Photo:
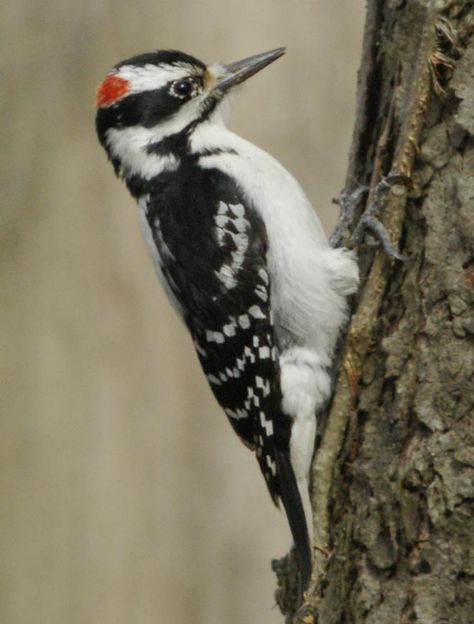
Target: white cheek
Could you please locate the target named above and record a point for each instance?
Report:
(129, 145)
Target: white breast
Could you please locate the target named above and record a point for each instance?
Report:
(310, 280)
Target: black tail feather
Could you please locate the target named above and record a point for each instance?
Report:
(296, 518)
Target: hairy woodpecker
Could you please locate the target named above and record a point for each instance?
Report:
(240, 253)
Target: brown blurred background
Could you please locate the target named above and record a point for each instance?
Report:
(125, 496)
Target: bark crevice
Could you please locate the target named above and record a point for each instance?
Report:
(393, 477)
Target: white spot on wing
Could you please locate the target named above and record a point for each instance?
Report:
(271, 464)
(266, 424)
(213, 380)
(262, 273)
(256, 312)
(226, 276)
(241, 224)
(227, 273)
(237, 414)
(263, 385)
(261, 292)
(249, 355)
(244, 321)
(229, 330)
(237, 209)
(221, 220)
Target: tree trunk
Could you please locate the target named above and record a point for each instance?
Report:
(393, 477)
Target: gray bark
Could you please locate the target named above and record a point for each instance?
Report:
(394, 473)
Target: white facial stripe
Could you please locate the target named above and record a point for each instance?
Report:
(150, 77)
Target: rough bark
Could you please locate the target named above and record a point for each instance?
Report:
(393, 477)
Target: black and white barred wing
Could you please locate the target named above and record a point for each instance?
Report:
(222, 283)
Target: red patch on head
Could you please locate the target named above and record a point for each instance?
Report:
(111, 90)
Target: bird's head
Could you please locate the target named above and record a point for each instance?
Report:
(150, 98)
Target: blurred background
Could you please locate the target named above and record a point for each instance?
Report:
(125, 496)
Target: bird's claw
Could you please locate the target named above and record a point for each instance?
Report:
(369, 219)
(347, 201)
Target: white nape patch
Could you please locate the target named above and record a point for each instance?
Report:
(130, 145)
(223, 208)
(156, 253)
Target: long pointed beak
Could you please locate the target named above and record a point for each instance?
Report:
(237, 72)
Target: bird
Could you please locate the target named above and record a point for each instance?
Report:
(241, 254)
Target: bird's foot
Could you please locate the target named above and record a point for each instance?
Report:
(369, 219)
(347, 201)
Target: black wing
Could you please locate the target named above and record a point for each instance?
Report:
(213, 250)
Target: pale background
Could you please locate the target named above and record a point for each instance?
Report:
(125, 496)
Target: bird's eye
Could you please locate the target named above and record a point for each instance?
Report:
(183, 89)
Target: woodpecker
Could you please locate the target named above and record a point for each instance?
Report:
(241, 254)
